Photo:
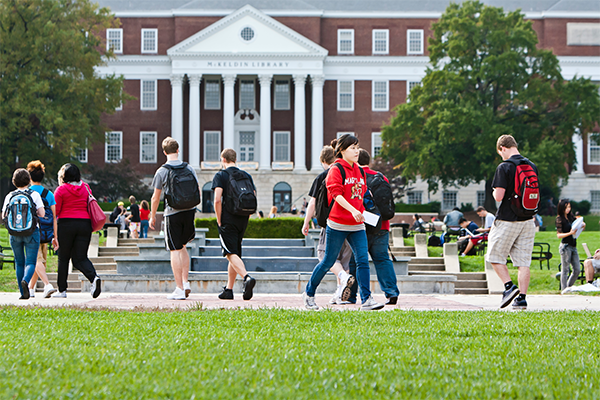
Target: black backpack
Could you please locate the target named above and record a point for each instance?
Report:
(182, 187)
(371, 206)
(241, 199)
(382, 194)
(47, 222)
(322, 204)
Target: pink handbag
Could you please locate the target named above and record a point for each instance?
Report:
(96, 214)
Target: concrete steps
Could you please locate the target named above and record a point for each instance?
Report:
(118, 251)
(255, 251)
(73, 282)
(403, 251)
(466, 282)
(426, 264)
(263, 242)
(134, 242)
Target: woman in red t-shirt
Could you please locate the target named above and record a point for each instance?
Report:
(144, 212)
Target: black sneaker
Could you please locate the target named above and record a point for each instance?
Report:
(96, 287)
(25, 289)
(509, 295)
(391, 301)
(519, 304)
(226, 294)
(249, 283)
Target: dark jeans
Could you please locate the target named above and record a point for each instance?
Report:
(74, 237)
(25, 249)
(144, 228)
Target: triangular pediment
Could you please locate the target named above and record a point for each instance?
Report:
(247, 31)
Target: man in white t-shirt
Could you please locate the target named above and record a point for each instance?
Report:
(25, 248)
(489, 219)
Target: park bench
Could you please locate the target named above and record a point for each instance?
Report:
(5, 257)
(541, 252)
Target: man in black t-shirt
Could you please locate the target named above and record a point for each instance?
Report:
(134, 218)
(510, 234)
(231, 228)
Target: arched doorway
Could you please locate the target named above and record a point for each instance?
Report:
(282, 197)
(208, 198)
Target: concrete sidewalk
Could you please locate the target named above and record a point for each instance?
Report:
(154, 301)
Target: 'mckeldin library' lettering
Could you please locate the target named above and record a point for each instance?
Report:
(248, 64)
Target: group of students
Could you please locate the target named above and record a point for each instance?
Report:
(29, 208)
(137, 221)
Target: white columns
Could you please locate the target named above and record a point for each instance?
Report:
(299, 124)
(228, 111)
(177, 111)
(265, 121)
(194, 131)
(317, 121)
(578, 147)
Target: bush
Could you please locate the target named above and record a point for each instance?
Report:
(466, 207)
(105, 206)
(434, 207)
(258, 228)
(583, 207)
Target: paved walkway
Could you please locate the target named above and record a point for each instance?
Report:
(150, 301)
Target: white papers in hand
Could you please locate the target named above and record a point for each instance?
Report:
(370, 218)
(578, 226)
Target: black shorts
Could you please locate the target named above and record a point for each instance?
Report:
(179, 229)
(231, 236)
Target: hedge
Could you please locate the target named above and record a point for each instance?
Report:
(258, 228)
(111, 206)
(434, 206)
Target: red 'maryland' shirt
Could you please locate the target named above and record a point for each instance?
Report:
(353, 189)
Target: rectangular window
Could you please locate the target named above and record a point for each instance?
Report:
(376, 144)
(595, 200)
(414, 197)
(340, 134)
(414, 38)
(212, 146)
(149, 40)
(409, 86)
(380, 96)
(113, 148)
(345, 95)
(380, 41)
(345, 41)
(82, 155)
(247, 94)
(282, 146)
(282, 94)
(593, 150)
(247, 145)
(449, 199)
(114, 40)
(148, 95)
(212, 94)
(147, 147)
(480, 198)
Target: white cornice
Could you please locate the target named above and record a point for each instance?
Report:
(139, 60)
(568, 60)
(377, 60)
(244, 56)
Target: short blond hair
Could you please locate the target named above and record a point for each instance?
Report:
(506, 141)
(327, 155)
(131, 199)
(229, 155)
(170, 145)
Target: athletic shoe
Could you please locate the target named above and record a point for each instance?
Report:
(60, 295)
(25, 290)
(31, 292)
(392, 300)
(509, 295)
(596, 283)
(187, 288)
(371, 304)
(519, 304)
(178, 294)
(249, 283)
(96, 287)
(49, 290)
(226, 294)
(309, 302)
(347, 282)
(334, 298)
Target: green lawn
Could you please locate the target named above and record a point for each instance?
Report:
(284, 354)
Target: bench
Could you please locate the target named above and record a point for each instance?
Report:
(541, 252)
(580, 278)
(5, 257)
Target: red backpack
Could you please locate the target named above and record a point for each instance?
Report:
(526, 197)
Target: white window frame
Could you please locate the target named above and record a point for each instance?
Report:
(289, 145)
(206, 107)
(289, 94)
(106, 144)
(142, 95)
(408, 32)
(339, 96)
(155, 41)
(414, 192)
(108, 32)
(480, 193)
(387, 41)
(340, 134)
(218, 133)
(240, 92)
(589, 149)
(339, 33)
(408, 88)
(444, 208)
(374, 137)
(155, 134)
(85, 151)
(592, 193)
(387, 96)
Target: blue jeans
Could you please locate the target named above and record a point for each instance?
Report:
(335, 239)
(378, 249)
(144, 228)
(25, 249)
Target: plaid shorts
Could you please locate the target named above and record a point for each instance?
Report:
(511, 238)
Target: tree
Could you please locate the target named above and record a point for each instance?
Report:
(488, 78)
(115, 181)
(51, 99)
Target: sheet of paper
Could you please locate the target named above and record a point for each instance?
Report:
(578, 226)
(370, 218)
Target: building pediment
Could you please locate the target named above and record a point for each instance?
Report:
(247, 32)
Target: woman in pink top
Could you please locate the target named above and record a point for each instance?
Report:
(74, 228)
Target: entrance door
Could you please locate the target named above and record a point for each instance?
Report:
(247, 141)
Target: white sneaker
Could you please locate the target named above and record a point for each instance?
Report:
(60, 295)
(31, 293)
(596, 283)
(309, 302)
(178, 294)
(371, 304)
(49, 290)
(336, 295)
(96, 287)
(187, 288)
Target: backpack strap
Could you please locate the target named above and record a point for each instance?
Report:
(44, 193)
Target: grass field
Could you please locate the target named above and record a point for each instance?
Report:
(283, 354)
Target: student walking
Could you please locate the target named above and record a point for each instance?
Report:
(134, 218)
(569, 257)
(74, 229)
(511, 233)
(48, 228)
(235, 201)
(182, 194)
(345, 222)
(144, 213)
(20, 212)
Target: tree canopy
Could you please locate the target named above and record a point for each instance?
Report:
(51, 99)
(488, 78)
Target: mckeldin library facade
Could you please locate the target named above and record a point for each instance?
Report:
(277, 80)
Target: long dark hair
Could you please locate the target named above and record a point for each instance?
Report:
(72, 173)
(343, 143)
(562, 207)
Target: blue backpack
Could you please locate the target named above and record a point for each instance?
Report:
(47, 221)
(20, 216)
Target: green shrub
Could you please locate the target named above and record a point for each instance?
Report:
(281, 227)
(111, 206)
(434, 207)
(583, 207)
(466, 207)
(591, 222)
